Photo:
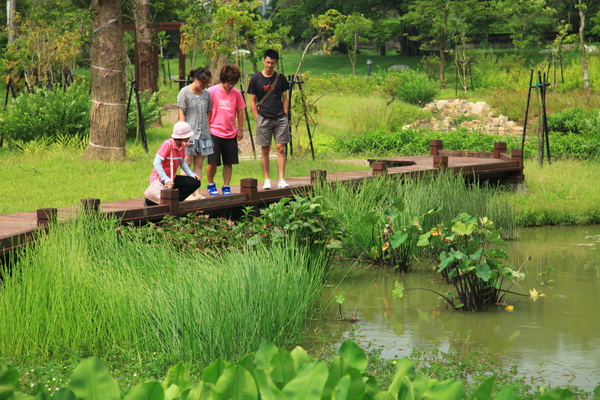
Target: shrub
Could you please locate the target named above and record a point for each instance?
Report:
(574, 120)
(416, 87)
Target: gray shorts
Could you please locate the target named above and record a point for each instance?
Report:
(269, 128)
(199, 147)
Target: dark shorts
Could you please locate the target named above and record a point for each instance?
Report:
(225, 150)
(268, 128)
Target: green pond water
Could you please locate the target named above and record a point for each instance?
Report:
(556, 337)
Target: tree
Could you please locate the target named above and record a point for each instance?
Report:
(108, 120)
(582, 8)
(350, 31)
(148, 76)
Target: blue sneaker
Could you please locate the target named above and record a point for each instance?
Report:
(226, 190)
(212, 189)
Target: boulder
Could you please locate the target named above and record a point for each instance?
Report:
(398, 67)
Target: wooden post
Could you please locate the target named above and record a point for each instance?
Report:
(249, 187)
(440, 162)
(46, 215)
(379, 167)
(435, 146)
(317, 176)
(517, 155)
(170, 197)
(499, 147)
(90, 205)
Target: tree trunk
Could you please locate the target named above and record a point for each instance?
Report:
(108, 124)
(584, 63)
(11, 10)
(147, 75)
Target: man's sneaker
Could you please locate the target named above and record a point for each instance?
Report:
(212, 189)
(283, 184)
(267, 185)
(226, 190)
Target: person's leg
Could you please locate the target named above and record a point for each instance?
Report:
(189, 160)
(198, 161)
(280, 147)
(186, 185)
(211, 171)
(227, 173)
(264, 160)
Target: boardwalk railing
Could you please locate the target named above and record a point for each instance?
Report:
(19, 229)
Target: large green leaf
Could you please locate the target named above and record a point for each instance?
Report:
(405, 390)
(282, 368)
(64, 394)
(404, 368)
(9, 381)
(354, 355)
(308, 383)
(424, 239)
(177, 375)
(398, 239)
(212, 373)
(236, 383)
(267, 388)
(448, 390)
(506, 394)
(92, 381)
(484, 391)
(483, 272)
(300, 357)
(264, 354)
(201, 391)
(337, 370)
(342, 390)
(146, 391)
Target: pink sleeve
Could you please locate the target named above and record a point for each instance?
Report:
(164, 149)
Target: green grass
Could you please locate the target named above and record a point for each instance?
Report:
(86, 288)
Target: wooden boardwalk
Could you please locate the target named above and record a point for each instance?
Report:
(19, 229)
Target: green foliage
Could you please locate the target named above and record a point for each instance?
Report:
(575, 120)
(460, 249)
(272, 373)
(151, 111)
(412, 86)
(48, 113)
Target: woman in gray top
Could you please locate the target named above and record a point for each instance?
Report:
(194, 104)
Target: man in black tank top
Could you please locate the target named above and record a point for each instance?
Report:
(269, 101)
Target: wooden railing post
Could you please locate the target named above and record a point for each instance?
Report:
(435, 146)
(46, 215)
(90, 206)
(318, 176)
(249, 187)
(170, 197)
(517, 155)
(499, 148)
(379, 167)
(440, 162)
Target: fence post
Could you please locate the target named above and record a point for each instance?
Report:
(440, 162)
(45, 216)
(499, 147)
(435, 146)
(90, 205)
(170, 197)
(517, 155)
(379, 167)
(317, 176)
(249, 187)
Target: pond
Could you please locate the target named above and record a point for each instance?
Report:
(556, 337)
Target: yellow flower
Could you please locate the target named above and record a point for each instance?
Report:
(510, 308)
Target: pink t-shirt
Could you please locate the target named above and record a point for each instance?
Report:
(224, 111)
(164, 152)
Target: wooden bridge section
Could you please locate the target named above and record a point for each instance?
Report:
(499, 166)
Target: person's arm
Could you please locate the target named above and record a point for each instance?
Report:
(286, 103)
(240, 124)
(181, 114)
(254, 105)
(161, 172)
(187, 169)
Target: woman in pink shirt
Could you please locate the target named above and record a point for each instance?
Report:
(226, 121)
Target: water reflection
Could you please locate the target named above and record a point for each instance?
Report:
(557, 336)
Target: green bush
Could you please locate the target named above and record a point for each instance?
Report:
(49, 115)
(574, 120)
(416, 87)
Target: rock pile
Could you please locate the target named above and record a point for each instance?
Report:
(452, 114)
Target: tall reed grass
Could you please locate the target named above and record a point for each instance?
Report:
(86, 287)
(418, 196)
